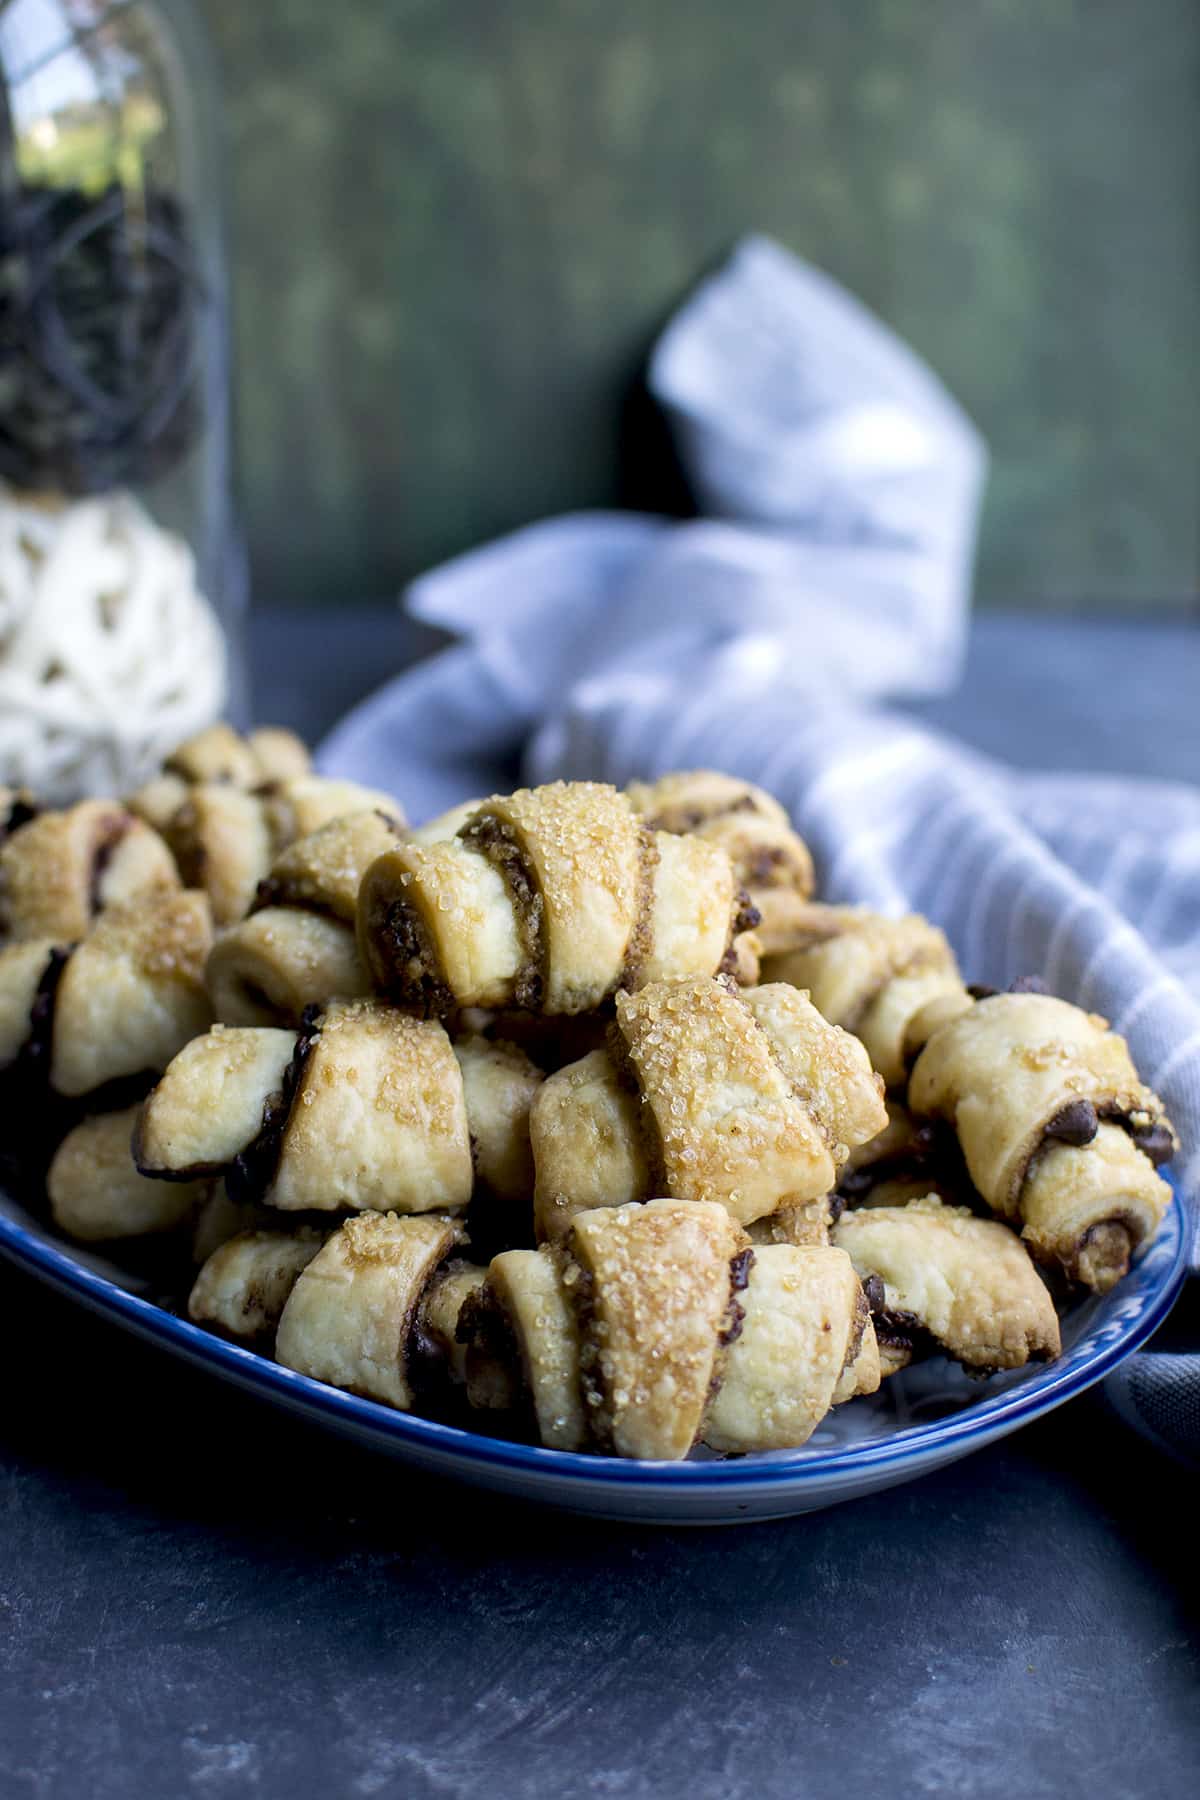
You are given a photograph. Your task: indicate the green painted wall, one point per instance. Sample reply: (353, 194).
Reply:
(457, 224)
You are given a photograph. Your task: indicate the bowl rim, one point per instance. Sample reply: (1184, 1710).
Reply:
(1056, 1382)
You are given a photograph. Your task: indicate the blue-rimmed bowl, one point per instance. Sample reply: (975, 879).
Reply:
(922, 1418)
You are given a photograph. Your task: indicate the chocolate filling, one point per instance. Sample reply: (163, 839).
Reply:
(1076, 1123)
(251, 1173)
(1155, 1141)
(102, 855)
(190, 855)
(34, 1059)
(903, 1333)
(895, 1328)
(498, 842)
(21, 812)
(739, 1280)
(42, 1118)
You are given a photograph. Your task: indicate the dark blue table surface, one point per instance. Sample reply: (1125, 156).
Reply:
(199, 1597)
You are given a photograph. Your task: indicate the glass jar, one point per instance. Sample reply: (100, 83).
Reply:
(121, 575)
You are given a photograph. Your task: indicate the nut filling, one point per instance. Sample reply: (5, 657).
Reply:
(1103, 1250)
(641, 938)
(496, 1378)
(498, 842)
(746, 916)
(415, 961)
(739, 1281)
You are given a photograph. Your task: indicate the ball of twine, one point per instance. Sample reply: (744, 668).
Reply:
(100, 302)
(109, 653)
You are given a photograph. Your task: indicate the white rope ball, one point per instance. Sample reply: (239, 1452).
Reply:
(109, 653)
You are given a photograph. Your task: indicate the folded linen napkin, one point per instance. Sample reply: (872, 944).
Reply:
(840, 485)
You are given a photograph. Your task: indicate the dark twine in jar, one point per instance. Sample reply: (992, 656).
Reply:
(98, 301)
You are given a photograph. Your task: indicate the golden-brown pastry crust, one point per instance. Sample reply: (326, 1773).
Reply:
(724, 1120)
(500, 1084)
(97, 1194)
(323, 870)
(827, 1067)
(1086, 1208)
(233, 842)
(806, 1343)
(692, 896)
(1002, 1073)
(585, 1129)
(654, 1296)
(210, 1103)
(686, 800)
(271, 967)
(23, 967)
(439, 1312)
(571, 854)
(222, 840)
(350, 1316)
(967, 1283)
(437, 929)
(548, 899)
(446, 825)
(158, 800)
(656, 1327)
(298, 948)
(132, 993)
(367, 1109)
(803, 1225)
(769, 859)
(59, 871)
(890, 981)
(279, 755)
(299, 808)
(217, 753)
(245, 1283)
(529, 1289)
(705, 1094)
(379, 1121)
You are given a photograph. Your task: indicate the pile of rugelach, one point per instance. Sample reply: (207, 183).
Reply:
(573, 1106)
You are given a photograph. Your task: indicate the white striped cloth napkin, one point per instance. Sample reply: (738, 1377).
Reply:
(841, 484)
